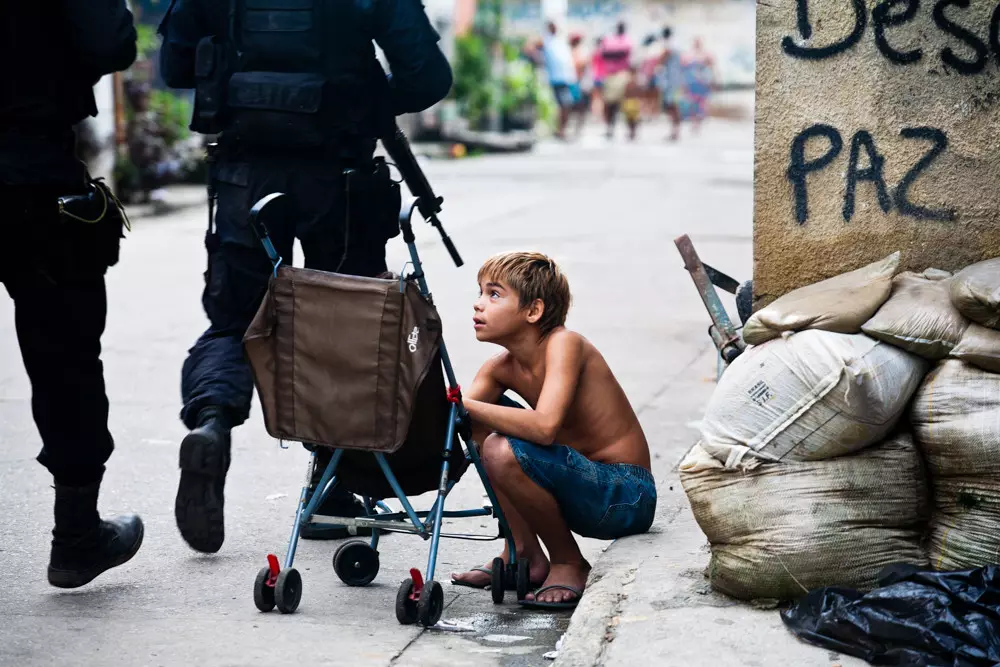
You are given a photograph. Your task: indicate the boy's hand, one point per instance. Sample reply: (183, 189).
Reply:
(465, 425)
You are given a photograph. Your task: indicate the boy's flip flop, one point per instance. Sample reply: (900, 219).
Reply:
(485, 570)
(554, 606)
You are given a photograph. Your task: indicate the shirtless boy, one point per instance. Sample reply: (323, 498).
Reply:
(578, 460)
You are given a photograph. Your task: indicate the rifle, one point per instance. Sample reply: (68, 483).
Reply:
(428, 203)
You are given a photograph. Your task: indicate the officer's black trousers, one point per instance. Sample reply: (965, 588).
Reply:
(59, 322)
(216, 373)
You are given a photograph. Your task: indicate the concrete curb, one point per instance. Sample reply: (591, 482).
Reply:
(592, 625)
(592, 628)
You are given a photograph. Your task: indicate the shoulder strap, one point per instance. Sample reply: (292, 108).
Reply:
(162, 28)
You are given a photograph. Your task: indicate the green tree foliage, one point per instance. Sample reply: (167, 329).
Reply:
(472, 88)
(519, 92)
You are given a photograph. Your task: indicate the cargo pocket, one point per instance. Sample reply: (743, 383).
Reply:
(232, 218)
(213, 298)
(235, 284)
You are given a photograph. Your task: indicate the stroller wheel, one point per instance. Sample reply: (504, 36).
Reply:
(498, 584)
(263, 595)
(523, 578)
(510, 580)
(406, 609)
(288, 590)
(431, 604)
(356, 563)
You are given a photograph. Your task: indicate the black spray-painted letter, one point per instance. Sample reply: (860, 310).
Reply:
(972, 41)
(882, 18)
(872, 173)
(903, 203)
(805, 30)
(799, 169)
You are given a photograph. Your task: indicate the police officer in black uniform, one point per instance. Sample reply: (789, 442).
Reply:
(298, 98)
(54, 264)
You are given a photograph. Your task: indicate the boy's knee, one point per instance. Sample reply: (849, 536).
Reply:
(497, 455)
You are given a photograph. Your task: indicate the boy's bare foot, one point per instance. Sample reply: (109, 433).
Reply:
(538, 570)
(563, 574)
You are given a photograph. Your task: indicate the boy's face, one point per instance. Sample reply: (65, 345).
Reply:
(497, 313)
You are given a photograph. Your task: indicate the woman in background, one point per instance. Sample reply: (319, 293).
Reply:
(616, 52)
(669, 79)
(699, 81)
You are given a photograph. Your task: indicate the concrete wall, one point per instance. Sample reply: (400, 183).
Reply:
(876, 131)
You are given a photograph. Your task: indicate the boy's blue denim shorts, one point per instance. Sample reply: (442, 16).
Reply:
(604, 501)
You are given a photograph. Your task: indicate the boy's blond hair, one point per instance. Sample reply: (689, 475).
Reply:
(533, 276)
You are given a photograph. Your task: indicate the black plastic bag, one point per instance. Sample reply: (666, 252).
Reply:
(915, 618)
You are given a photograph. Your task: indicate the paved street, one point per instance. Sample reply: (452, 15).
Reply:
(608, 212)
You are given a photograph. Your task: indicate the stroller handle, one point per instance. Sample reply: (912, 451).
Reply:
(259, 228)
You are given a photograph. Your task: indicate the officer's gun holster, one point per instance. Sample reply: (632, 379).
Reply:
(90, 229)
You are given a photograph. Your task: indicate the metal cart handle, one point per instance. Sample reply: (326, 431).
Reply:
(257, 223)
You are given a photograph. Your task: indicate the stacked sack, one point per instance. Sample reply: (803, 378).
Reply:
(806, 474)
(778, 530)
(802, 478)
(956, 420)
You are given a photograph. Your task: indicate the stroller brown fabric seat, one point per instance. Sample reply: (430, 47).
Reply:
(346, 362)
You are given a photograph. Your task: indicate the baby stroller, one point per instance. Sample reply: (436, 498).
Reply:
(372, 390)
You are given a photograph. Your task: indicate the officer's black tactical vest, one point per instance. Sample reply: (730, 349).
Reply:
(292, 74)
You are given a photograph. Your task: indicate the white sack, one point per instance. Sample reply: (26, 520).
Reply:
(809, 396)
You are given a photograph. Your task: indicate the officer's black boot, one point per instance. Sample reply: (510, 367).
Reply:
(84, 546)
(339, 502)
(204, 462)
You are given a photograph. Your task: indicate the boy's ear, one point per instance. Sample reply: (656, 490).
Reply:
(535, 311)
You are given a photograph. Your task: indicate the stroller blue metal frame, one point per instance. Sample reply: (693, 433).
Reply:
(420, 597)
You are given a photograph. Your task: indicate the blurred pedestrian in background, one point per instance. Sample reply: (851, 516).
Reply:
(635, 93)
(616, 54)
(585, 81)
(699, 80)
(561, 72)
(669, 81)
(649, 63)
(598, 70)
